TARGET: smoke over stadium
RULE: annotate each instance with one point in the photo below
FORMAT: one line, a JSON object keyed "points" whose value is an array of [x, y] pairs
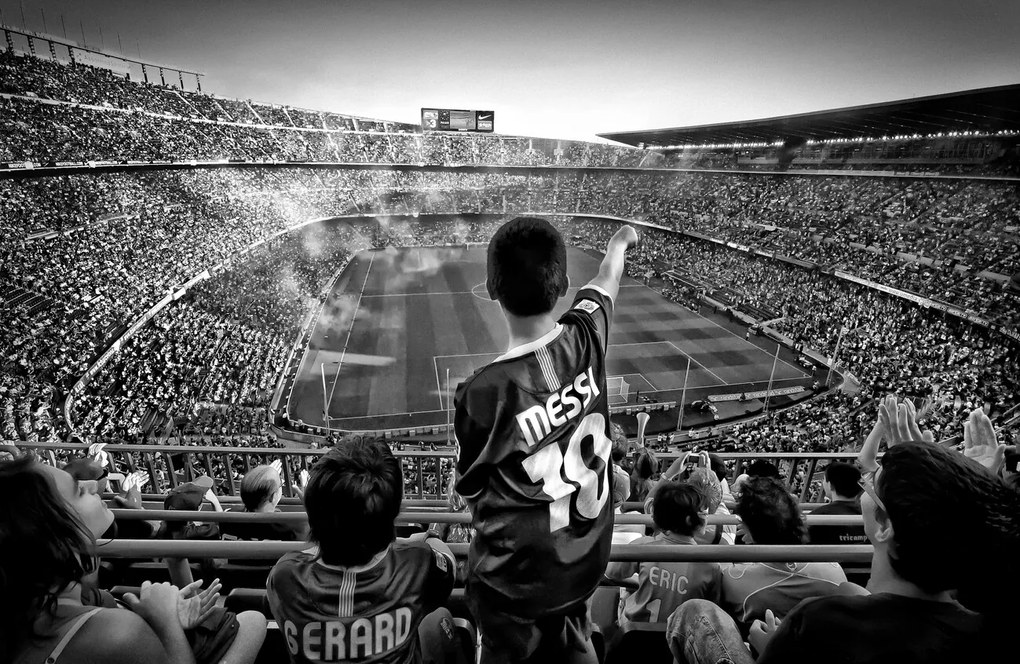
{"points": [[532, 333]]}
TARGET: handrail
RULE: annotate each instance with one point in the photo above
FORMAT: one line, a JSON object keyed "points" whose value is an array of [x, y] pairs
{"points": [[720, 553], [431, 517], [447, 453]]}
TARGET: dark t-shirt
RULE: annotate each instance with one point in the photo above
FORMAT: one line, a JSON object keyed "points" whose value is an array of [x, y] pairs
{"points": [[533, 465], [838, 534], [875, 629], [284, 532]]}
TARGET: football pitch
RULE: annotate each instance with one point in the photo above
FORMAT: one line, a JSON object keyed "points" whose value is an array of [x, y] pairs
{"points": [[403, 327]]}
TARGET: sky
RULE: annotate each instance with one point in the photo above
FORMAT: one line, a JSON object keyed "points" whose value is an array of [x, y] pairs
{"points": [[559, 68]]}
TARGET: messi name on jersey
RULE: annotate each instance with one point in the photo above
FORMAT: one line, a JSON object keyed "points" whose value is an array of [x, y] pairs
{"points": [[335, 640], [561, 407]]}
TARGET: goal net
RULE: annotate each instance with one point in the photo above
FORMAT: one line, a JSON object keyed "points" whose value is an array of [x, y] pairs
{"points": [[618, 390]]}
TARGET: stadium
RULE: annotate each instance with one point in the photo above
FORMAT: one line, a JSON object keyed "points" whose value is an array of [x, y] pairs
{"points": [[195, 288]]}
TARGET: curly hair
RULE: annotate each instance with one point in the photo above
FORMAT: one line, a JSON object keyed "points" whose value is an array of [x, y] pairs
{"points": [[44, 548], [770, 512]]}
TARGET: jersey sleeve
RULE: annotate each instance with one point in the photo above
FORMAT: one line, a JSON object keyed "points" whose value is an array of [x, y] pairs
{"points": [[442, 572], [592, 306], [475, 404]]}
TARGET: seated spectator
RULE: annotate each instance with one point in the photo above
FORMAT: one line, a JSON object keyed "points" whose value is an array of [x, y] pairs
{"points": [[643, 476], [911, 614], [358, 592], [842, 488], [189, 497], [50, 522], [623, 533], [770, 515], [261, 491], [662, 587]]}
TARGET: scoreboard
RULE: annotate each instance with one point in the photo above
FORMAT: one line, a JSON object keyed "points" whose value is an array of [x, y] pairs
{"points": [[445, 119]]}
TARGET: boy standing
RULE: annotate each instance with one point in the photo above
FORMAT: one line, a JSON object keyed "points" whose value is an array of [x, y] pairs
{"points": [[534, 451]]}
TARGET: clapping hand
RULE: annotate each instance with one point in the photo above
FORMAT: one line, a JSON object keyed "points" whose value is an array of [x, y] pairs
{"points": [[903, 425], [135, 481], [156, 603], [979, 441], [96, 452], [277, 465], [763, 631], [194, 607]]}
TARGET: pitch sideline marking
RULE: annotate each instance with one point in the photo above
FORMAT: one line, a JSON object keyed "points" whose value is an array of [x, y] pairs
{"points": [[730, 332], [354, 318]]}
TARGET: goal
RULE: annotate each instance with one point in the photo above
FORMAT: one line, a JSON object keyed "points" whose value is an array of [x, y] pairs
{"points": [[618, 390]]}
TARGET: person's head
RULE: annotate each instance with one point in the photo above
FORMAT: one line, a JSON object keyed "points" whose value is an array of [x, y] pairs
{"points": [[762, 468], [352, 498], [527, 266], [718, 466], [677, 508], [261, 488], [620, 444], [646, 465], [935, 515], [47, 522], [842, 481], [768, 513]]}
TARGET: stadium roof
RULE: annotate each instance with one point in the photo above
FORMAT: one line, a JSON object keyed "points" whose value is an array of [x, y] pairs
{"points": [[986, 110]]}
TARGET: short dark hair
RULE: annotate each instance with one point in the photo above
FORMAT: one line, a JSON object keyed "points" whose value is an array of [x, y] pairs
{"points": [[930, 493], [352, 499], [770, 512], [676, 508], [527, 266], [762, 468], [845, 478], [718, 466], [44, 547]]}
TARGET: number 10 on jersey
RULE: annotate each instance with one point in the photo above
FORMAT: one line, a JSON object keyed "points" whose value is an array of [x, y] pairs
{"points": [[550, 466]]}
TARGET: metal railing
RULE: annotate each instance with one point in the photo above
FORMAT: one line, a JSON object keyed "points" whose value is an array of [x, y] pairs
{"points": [[427, 473], [134, 549]]}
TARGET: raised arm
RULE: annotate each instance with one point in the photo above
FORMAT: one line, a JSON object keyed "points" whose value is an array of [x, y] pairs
{"points": [[611, 270]]}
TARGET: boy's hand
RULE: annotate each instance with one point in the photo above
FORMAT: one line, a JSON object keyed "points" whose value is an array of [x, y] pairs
{"points": [[763, 631], [627, 235]]}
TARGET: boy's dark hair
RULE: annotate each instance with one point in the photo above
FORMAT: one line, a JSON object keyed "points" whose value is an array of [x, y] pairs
{"points": [[949, 514], [353, 496], [718, 466], [762, 468], [769, 512], [676, 507], [845, 478], [527, 266]]}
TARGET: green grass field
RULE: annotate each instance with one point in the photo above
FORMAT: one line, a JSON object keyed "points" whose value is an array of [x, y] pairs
{"points": [[400, 319]]}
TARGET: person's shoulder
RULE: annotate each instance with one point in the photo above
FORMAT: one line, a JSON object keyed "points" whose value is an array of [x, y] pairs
{"points": [[409, 549], [290, 562], [117, 636], [841, 507]]}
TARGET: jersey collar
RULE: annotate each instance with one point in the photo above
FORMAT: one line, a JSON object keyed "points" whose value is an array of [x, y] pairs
{"points": [[531, 346], [376, 559]]}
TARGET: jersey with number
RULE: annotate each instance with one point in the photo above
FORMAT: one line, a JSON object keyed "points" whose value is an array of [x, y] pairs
{"points": [[368, 614], [534, 466]]}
